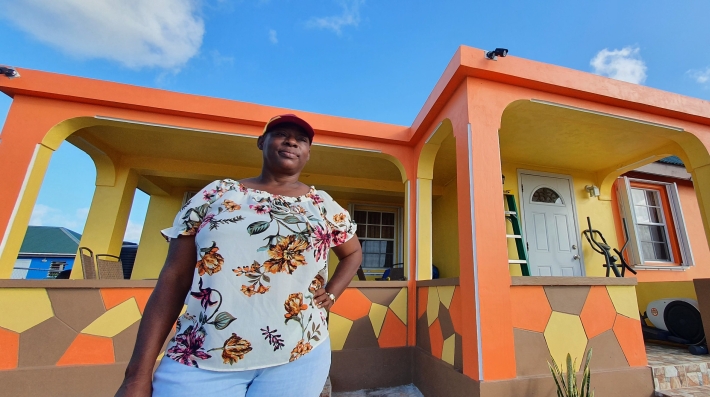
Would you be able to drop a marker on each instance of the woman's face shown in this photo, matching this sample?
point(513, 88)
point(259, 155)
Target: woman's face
point(285, 149)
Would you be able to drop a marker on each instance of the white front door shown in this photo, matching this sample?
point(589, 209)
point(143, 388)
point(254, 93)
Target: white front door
point(550, 228)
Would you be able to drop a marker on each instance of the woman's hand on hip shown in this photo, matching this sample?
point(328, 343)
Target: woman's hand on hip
point(322, 299)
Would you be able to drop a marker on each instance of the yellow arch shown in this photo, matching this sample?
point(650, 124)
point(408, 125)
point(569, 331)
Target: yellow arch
point(425, 174)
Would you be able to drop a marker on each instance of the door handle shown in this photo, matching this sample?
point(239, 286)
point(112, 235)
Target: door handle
point(575, 257)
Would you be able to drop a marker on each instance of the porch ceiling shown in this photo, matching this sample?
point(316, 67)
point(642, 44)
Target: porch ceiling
point(170, 158)
point(567, 138)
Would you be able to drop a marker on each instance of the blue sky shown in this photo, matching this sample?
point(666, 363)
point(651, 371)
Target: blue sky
point(365, 59)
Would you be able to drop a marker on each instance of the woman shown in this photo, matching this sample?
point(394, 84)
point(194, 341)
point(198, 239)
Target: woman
point(249, 259)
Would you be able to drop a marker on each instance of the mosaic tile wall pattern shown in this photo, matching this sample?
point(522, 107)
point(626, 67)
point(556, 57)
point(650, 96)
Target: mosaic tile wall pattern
point(66, 326)
point(369, 317)
point(63, 327)
point(439, 323)
point(552, 321)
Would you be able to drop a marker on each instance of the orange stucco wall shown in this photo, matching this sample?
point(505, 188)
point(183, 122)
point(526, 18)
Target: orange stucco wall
point(472, 94)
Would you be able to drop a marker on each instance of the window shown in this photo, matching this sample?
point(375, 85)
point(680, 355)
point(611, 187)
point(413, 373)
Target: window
point(55, 268)
point(546, 195)
point(378, 231)
point(655, 224)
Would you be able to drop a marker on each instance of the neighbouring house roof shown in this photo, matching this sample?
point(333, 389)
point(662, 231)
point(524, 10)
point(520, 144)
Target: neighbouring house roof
point(672, 160)
point(50, 240)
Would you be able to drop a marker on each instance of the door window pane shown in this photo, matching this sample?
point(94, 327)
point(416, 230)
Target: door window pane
point(546, 195)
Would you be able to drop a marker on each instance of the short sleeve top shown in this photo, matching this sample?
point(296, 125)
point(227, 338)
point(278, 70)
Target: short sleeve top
point(260, 258)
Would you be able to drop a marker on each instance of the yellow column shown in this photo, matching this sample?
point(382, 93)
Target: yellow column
point(24, 204)
point(153, 248)
point(424, 224)
point(108, 216)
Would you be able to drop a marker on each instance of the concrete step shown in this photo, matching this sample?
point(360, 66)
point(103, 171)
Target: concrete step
point(670, 377)
point(697, 391)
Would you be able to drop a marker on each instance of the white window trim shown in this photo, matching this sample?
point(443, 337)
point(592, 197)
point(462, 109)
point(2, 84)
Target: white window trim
point(627, 213)
point(398, 256)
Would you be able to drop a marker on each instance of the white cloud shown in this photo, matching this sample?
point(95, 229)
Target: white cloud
point(701, 76)
point(272, 36)
point(219, 60)
point(135, 33)
point(349, 17)
point(44, 215)
point(133, 232)
point(624, 64)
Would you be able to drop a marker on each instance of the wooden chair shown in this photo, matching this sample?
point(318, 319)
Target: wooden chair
point(109, 266)
point(87, 263)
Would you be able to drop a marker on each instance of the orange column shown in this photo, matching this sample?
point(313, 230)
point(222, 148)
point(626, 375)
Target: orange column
point(484, 278)
point(23, 161)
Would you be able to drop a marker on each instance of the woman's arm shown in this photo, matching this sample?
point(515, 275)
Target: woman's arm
point(350, 255)
point(160, 314)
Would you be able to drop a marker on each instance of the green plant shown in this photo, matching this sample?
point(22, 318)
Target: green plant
point(567, 382)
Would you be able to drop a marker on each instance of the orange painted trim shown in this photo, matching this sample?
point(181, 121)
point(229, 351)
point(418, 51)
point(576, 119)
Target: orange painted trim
point(546, 78)
point(124, 96)
point(668, 216)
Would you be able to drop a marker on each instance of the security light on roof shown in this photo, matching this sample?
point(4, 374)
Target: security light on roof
point(9, 72)
point(498, 52)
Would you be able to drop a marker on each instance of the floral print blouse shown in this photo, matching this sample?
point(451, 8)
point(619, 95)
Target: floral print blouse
point(260, 258)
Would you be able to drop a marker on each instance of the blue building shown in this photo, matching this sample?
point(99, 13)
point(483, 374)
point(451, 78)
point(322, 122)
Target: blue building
point(46, 251)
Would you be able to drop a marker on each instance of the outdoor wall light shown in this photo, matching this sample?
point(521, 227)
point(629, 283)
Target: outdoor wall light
point(498, 52)
point(8, 72)
point(593, 190)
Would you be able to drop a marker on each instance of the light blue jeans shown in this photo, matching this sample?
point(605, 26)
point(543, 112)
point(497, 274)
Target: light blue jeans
point(304, 377)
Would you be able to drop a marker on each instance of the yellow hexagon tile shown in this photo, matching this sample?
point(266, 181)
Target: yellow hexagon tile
point(624, 299)
point(446, 293)
point(432, 306)
point(115, 320)
point(399, 305)
point(449, 350)
point(23, 308)
point(338, 328)
point(565, 334)
point(377, 317)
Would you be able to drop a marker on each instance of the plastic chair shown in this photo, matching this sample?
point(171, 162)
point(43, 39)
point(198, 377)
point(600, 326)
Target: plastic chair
point(87, 263)
point(111, 269)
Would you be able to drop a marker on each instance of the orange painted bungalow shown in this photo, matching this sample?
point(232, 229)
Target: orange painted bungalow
point(565, 145)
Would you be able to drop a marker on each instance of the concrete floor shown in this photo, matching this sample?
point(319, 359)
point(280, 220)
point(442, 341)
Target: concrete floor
point(399, 391)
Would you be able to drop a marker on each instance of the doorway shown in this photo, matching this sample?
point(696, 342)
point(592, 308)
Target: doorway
point(549, 224)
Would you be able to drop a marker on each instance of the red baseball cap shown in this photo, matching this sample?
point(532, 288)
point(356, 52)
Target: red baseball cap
point(290, 118)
